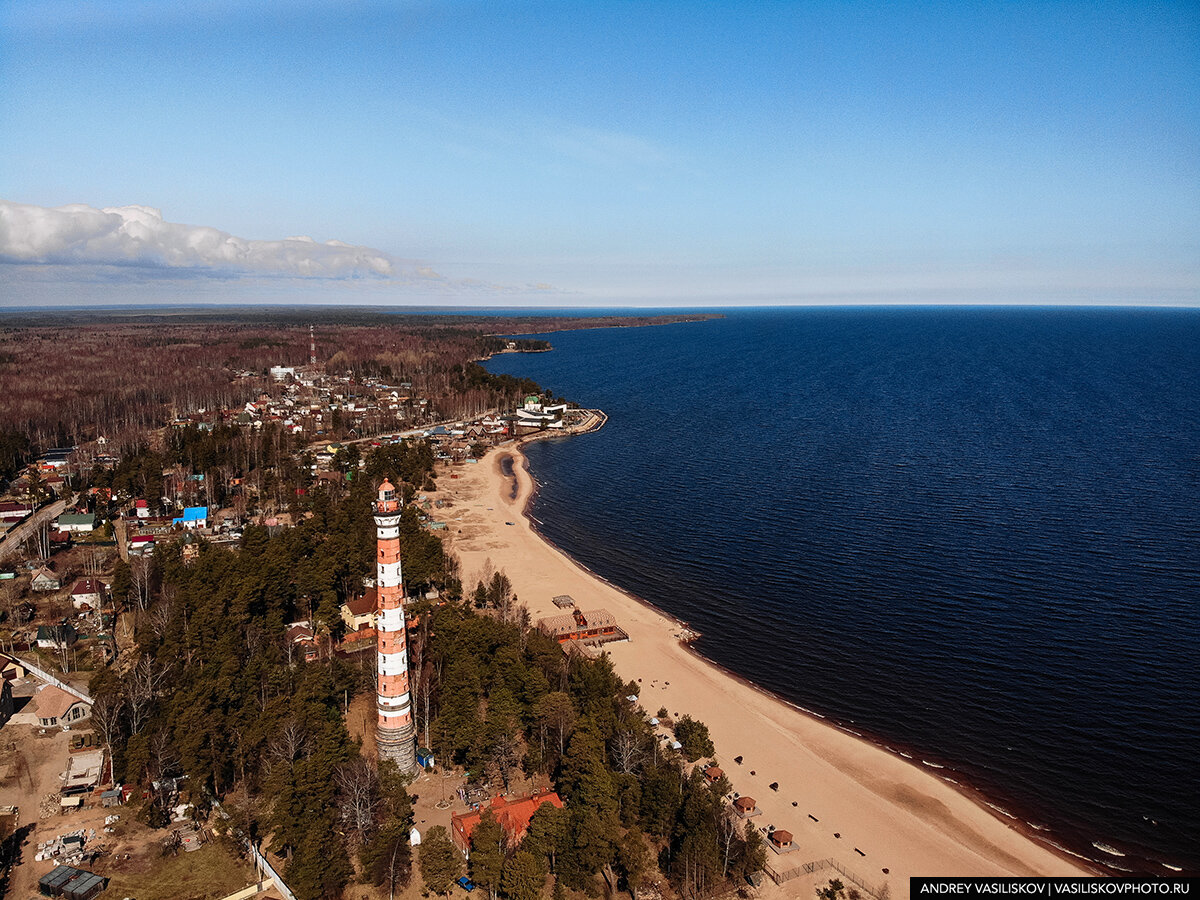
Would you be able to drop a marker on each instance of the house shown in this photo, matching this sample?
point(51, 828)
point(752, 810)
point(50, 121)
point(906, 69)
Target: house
point(360, 612)
point(193, 517)
point(595, 626)
point(55, 707)
point(11, 668)
point(56, 637)
point(12, 513)
point(77, 523)
point(301, 636)
point(87, 593)
point(141, 545)
point(142, 509)
point(45, 580)
point(513, 816)
point(191, 549)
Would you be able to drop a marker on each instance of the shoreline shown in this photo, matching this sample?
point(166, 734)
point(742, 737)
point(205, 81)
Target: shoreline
point(967, 790)
point(900, 819)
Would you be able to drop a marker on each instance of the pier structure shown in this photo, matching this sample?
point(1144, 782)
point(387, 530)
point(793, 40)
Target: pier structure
point(395, 732)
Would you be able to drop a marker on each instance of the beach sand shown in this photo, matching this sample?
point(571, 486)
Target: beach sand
point(900, 816)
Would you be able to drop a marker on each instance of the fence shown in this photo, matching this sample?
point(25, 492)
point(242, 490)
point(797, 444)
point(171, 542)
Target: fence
point(50, 679)
point(262, 865)
point(808, 868)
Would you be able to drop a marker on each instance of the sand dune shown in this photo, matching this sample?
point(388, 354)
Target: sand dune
point(874, 810)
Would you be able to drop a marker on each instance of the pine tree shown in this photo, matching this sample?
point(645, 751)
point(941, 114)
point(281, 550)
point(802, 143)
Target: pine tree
point(441, 865)
point(523, 877)
point(487, 853)
point(634, 857)
point(548, 833)
point(387, 858)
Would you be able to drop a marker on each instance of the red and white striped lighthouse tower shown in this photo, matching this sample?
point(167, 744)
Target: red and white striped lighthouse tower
point(395, 734)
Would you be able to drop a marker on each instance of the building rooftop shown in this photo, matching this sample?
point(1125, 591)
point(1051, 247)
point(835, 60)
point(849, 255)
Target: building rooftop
point(513, 815)
point(52, 702)
point(77, 519)
point(360, 606)
point(589, 626)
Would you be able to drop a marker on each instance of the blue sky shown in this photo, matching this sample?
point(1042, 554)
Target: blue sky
point(603, 152)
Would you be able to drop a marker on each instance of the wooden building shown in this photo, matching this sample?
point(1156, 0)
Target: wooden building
point(597, 626)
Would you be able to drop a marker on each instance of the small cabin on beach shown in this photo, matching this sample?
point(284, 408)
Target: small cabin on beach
point(746, 807)
point(780, 841)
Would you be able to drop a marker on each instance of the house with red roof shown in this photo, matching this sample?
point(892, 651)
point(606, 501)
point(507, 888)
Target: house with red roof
point(360, 611)
point(87, 593)
point(513, 816)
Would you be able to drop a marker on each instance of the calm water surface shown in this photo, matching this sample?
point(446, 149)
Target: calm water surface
point(972, 534)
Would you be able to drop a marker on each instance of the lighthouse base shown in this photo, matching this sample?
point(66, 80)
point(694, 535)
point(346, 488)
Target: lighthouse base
point(399, 745)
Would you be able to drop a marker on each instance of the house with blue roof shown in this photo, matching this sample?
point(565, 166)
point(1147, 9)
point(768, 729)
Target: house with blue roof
point(193, 517)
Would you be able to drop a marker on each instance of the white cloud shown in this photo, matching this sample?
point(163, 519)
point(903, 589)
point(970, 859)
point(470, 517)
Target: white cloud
point(139, 236)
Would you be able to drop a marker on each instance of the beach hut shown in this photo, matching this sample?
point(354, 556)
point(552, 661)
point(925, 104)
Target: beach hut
point(712, 773)
point(746, 807)
point(781, 839)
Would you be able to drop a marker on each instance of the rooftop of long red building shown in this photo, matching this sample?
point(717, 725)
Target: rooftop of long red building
point(513, 816)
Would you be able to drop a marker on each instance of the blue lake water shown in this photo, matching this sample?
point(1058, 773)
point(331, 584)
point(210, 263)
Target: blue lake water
point(971, 534)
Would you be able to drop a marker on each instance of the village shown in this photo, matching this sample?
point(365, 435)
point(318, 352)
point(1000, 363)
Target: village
point(70, 829)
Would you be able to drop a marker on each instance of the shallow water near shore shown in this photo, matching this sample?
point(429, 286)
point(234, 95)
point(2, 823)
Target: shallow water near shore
point(972, 534)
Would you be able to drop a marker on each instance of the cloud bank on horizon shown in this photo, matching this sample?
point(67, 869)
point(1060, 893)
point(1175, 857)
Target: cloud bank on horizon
point(139, 236)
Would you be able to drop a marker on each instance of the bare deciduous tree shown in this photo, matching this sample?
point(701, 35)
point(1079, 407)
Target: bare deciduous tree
point(106, 717)
point(142, 687)
point(628, 751)
point(291, 743)
point(358, 796)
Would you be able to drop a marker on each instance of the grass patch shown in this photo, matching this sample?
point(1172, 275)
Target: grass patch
point(207, 874)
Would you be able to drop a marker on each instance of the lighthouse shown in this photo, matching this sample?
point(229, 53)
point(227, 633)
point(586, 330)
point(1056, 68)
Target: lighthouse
point(395, 733)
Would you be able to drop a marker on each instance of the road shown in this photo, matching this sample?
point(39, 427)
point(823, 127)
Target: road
point(410, 433)
point(18, 534)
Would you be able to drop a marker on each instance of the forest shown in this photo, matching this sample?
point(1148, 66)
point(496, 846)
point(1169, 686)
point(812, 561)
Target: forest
point(215, 693)
point(71, 376)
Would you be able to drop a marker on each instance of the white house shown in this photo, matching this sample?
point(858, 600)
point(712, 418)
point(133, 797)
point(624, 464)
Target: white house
point(77, 523)
point(87, 592)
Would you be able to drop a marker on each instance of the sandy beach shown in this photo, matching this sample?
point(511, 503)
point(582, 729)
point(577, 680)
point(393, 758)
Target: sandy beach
point(881, 817)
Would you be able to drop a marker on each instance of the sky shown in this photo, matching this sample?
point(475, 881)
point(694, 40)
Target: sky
point(598, 153)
